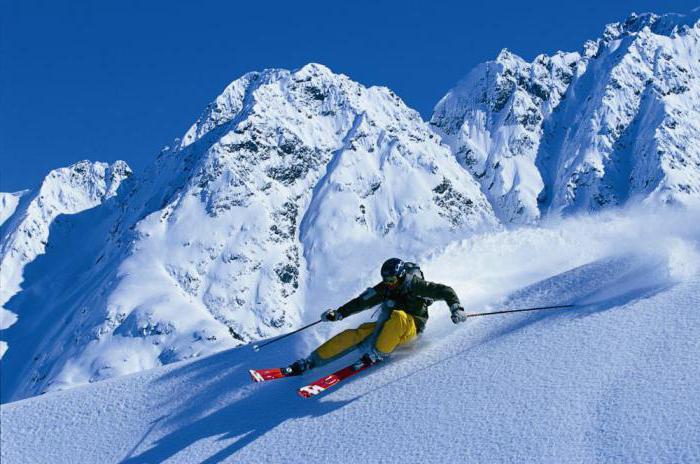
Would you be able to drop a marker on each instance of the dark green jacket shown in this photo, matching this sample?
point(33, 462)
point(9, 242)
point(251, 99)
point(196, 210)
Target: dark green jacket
point(413, 297)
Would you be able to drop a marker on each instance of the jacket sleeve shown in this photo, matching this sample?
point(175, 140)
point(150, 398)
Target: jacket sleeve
point(435, 291)
point(368, 299)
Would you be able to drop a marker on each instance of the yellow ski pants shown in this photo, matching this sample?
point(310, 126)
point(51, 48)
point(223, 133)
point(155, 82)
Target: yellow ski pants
point(400, 328)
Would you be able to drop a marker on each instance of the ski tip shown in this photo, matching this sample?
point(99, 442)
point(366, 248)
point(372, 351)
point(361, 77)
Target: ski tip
point(255, 375)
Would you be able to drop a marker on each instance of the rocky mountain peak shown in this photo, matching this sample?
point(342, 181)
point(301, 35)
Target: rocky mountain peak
point(668, 24)
point(492, 121)
point(556, 135)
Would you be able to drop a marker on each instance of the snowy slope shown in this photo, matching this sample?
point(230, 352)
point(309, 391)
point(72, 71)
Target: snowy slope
point(580, 132)
point(8, 204)
point(277, 202)
point(614, 380)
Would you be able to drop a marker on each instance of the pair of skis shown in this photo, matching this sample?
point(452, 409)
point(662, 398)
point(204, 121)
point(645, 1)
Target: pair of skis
point(318, 386)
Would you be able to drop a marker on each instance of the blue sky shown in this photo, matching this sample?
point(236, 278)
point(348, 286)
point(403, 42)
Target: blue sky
point(108, 80)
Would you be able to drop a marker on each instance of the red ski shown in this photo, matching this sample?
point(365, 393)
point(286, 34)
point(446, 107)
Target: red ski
point(261, 375)
point(324, 383)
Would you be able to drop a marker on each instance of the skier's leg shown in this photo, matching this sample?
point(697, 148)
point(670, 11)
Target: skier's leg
point(400, 328)
point(341, 344)
point(336, 347)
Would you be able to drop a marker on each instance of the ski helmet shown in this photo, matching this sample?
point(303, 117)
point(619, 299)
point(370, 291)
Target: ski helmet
point(392, 270)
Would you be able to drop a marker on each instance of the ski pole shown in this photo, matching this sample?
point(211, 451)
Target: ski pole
point(521, 310)
point(257, 347)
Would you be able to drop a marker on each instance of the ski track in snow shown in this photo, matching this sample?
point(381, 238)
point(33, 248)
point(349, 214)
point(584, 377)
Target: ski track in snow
point(614, 380)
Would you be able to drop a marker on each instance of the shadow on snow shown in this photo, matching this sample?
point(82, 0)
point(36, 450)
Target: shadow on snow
point(237, 408)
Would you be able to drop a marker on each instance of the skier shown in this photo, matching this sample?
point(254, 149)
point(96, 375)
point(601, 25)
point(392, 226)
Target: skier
point(404, 296)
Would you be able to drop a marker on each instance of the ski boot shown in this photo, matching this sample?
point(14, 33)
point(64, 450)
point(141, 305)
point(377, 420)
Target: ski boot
point(298, 367)
point(373, 356)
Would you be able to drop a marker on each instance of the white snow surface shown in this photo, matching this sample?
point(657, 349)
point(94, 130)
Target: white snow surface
point(613, 380)
point(616, 123)
point(8, 205)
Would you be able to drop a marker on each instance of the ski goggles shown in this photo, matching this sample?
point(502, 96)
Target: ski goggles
point(390, 280)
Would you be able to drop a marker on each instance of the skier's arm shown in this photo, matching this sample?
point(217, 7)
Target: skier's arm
point(368, 299)
point(435, 291)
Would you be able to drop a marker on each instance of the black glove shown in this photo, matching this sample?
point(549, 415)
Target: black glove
point(458, 314)
point(331, 315)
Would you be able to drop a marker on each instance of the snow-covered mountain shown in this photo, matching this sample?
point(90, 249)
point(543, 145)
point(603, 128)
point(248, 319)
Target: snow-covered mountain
point(278, 202)
point(26, 218)
point(618, 122)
